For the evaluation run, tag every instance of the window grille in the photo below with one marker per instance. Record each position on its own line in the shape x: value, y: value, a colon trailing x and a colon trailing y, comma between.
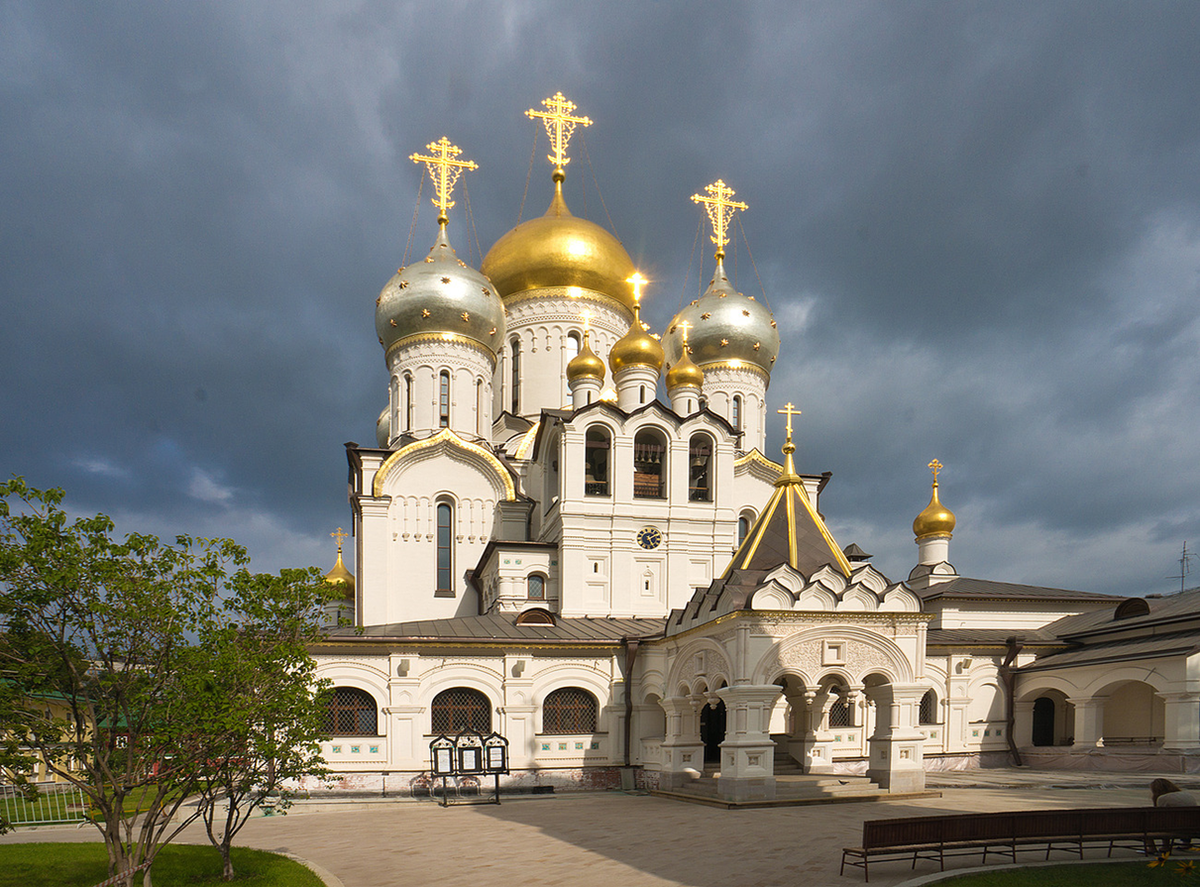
x: 569, y: 710
x: 840, y: 714
x: 351, y: 712
x: 536, y: 588
x: 444, y: 400
x: 461, y: 709
x: 928, y: 713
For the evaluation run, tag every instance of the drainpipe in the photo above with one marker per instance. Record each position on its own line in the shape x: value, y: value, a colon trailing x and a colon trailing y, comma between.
x: 630, y: 646
x: 1012, y: 650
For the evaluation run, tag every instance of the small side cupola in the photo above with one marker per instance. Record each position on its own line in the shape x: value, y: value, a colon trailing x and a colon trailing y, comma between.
x: 685, y: 381
x: 585, y: 374
x: 934, y: 526
x: 636, y: 359
x: 342, y: 579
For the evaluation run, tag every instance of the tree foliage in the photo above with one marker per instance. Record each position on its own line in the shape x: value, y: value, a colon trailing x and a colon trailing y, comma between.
x: 106, y: 645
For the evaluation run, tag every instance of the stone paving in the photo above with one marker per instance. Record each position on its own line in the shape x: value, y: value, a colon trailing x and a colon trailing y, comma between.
x: 620, y: 840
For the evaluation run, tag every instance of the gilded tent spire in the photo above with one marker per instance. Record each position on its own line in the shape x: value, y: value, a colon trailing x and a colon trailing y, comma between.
x: 444, y: 168
x: 789, y: 466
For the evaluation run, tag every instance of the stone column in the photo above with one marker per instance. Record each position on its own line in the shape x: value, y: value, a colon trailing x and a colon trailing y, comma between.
x: 682, y: 750
x: 897, y: 746
x: 748, y: 752
x: 818, y: 744
x: 1023, y: 724
x: 1182, y: 720
x: 1089, y: 722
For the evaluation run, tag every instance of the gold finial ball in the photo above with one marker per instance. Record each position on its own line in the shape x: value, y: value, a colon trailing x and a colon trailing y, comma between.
x: 935, y: 520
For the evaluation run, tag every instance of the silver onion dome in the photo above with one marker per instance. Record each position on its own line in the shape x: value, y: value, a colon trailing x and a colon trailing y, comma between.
x: 383, y: 427
x: 440, y: 297
x: 725, y: 328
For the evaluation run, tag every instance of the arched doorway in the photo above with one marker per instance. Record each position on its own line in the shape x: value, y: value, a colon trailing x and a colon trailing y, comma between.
x: 712, y: 731
x: 1043, y: 721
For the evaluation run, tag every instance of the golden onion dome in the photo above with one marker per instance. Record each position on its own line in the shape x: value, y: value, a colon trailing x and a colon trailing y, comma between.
x: 339, y: 575
x: 560, y: 250
x: 636, y: 348
x: 440, y: 297
x: 684, y: 373
x: 725, y: 328
x: 935, y: 520
x: 585, y: 364
x: 383, y: 427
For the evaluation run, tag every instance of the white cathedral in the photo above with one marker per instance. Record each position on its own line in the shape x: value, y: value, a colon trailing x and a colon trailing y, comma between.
x: 546, y: 549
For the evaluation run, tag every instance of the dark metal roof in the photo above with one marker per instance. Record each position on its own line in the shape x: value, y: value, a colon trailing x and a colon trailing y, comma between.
x: 503, y: 627
x: 989, y: 637
x: 964, y: 588
x: 1172, y: 608
x: 1144, y: 647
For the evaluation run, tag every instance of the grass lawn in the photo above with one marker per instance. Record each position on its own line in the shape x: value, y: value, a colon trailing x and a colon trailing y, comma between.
x: 178, y: 865
x: 1119, y: 874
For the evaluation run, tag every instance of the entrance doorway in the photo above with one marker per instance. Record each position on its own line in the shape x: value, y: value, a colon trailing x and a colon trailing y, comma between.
x: 1043, y: 721
x: 712, y: 731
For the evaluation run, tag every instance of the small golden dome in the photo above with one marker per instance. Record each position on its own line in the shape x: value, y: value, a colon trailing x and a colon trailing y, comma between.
x: 935, y: 520
x: 339, y: 575
x: 684, y: 373
x: 560, y: 250
x: 637, y: 347
x: 585, y: 364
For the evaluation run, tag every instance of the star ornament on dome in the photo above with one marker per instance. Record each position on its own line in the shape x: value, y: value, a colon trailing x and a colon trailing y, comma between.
x: 560, y: 126
x: 444, y: 168
x: 720, y: 207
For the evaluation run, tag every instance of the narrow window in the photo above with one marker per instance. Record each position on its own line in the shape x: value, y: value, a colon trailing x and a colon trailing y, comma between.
x: 649, y: 465
x: 928, y: 712
x: 736, y: 418
x: 743, y: 528
x: 535, y: 587
x: 700, y: 468
x: 516, y: 375
x: 444, y: 400
x: 460, y: 709
x: 643, y: 395
x: 479, y: 407
x: 573, y: 346
x: 569, y: 710
x: 408, y: 406
x: 445, y: 548
x: 704, y: 403
x: 596, y: 449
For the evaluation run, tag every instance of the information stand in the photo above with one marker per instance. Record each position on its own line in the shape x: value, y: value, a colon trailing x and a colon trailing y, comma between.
x: 470, y: 753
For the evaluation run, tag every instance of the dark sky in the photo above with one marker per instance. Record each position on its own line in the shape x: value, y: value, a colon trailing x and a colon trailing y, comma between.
x: 976, y: 223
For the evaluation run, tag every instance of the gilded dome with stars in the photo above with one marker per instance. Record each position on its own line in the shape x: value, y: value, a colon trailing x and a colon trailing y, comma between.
x: 440, y: 296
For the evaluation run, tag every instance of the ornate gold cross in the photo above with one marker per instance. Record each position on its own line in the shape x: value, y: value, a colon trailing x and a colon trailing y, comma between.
x: 789, y: 409
x: 444, y: 169
x: 720, y: 211
x: 339, y: 536
x: 685, y: 326
x: 560, y: 125
x: 936, y: 466
x: 637, y: 280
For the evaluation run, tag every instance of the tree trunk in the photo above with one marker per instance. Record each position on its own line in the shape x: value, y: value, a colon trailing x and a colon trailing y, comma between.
x: 227, y: 871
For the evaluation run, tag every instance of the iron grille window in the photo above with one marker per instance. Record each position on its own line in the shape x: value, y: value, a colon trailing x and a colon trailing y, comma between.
x: 351, y: 712
x: 444, y: 400
x: 461, y: 709
x: 536, y: 587
x: 839, y: 713
x: 569, y: 710
x: 928, y: 713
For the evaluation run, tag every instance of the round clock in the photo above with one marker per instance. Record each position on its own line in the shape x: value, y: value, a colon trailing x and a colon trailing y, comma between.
x: 649, y: 537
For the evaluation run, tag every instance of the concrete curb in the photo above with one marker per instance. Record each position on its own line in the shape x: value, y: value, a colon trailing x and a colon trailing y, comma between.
x: 330, y: 879
x: 974, y: 870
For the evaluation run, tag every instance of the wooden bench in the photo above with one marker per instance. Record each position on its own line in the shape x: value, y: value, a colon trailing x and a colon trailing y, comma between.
x: 1005, y: 834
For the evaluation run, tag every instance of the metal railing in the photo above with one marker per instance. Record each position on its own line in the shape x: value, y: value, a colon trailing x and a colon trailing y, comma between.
x: 55, y: 803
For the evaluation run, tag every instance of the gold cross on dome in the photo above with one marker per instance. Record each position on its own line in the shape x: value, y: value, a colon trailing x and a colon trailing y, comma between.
x: 560, y: 126
x: 720, y: 211
x: 339, y: 536
x: 789, y: 409
x: 444, y: 168
x: 637, y: 280
x: 935, y: 466
x: 685, y: 326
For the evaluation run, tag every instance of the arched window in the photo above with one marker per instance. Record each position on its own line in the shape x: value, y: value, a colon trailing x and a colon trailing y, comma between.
x: 572, y: 346
x: 928, y: 712
x: 445, y: 549
x: 595, y: 461
x: 840, y: 713
x: 444, y: 399
x: 460, y: 708
x: 351, y: 712
x: 642, y: 395
x: 479, y: 407
x: 408, y: 406
x: 703, y: 402
x: 700, y: 450
x: 515, y: 347
x: 535, y: 587
x: 569, y: 710
x: 744, y: 524
x: 735, y: 418
x: 649, y: 465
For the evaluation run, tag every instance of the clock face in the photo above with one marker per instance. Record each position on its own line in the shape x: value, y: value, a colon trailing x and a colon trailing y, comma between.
x: 649, y: 537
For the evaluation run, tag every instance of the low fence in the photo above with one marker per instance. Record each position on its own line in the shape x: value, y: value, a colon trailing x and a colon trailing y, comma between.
x: 55, y: 803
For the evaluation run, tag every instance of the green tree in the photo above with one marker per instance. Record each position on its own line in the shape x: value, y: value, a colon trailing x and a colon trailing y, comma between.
x: 113, y: 632
x: 254, y: 696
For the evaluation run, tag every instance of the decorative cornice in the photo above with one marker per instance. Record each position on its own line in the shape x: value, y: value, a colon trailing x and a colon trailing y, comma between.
x: 441, y: 339
x: 445, y: 437
x: 755, y: 456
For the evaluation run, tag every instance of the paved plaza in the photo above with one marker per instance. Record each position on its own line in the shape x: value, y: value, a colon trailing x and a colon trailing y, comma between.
x: 618, y: 840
